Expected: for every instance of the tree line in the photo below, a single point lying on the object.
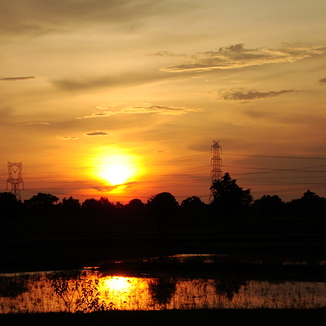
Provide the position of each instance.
(228, 199)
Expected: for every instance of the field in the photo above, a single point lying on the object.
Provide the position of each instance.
(193, 317)
(36, 244)
(52, 243)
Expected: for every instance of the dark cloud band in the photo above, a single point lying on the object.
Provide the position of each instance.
(249, 95)
(17, 78)
(97, 133)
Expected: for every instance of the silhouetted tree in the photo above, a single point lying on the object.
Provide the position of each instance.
(98, 208)
(44, 200)
(135, 208)
(77, 295)
(42, 204)
(9, 205)
(89, 205)
(107, 208)
(269, 205)
(193, 204)
(119, 205)
(70, 206)
(10, 210)
(309, 204)
(162, 207)
(311, 197)
(228, 197)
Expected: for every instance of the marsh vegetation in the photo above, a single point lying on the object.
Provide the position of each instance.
(88, 291)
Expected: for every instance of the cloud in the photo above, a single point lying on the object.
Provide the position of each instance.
(237, 56)
(171, 110)
(97, 133)
(241, 94)
(322, 81)
(225, 58)
(36, 17)
(16, 78)
(67, 137)
(131, 78)
(108, 188)
(259, 114)
(40, 123)
(105, 111)
(285, 118)
(166, 54)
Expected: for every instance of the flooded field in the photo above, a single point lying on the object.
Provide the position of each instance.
(93, 289)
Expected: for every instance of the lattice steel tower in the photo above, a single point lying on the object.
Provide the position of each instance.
(15, 177)
(216, 163)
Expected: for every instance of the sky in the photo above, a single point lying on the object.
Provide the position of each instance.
(123, 99)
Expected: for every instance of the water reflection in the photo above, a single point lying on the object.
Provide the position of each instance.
(118, 283)
(228, 287)
(162, 290)
(124, 293)
(78, 293)
(90, 290)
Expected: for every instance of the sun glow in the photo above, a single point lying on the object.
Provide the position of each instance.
(115, 167)
(117, 170)
(117, 283)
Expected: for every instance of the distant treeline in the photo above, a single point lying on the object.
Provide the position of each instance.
(228, 199)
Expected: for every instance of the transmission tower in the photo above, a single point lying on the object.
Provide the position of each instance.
(15, 177)
(216, 163)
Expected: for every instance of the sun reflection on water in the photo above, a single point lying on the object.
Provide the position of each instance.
(89, 291)
(117, 283)
(130, 293)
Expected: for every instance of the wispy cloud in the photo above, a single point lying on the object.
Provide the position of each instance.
(237, 56)
(241, 94)
(231, 57)
(127, 79)
(36, 17)
(67, 137)
(166, 54)
(40, 123)
(322, 81)
(16, 78)
(172, 110)
(107, 188)
(97, 133)
(105, 111)
(285, 118)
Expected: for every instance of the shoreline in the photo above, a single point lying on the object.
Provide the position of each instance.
(124, 260)
(175, 317)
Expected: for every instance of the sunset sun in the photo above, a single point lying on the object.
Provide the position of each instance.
(114, 167)
(116, 173)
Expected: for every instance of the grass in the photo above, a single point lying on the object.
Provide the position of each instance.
(177, 317)
(43, 244)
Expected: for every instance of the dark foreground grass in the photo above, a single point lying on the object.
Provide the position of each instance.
(64, 252)
(176, 317)
(31, 244)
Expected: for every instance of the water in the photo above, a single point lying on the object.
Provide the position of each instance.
(91, 290)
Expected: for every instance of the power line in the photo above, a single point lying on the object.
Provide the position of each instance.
(275, 169)
(278, 156)
(204, 177)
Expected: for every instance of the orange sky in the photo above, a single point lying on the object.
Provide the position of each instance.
(87, 86)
